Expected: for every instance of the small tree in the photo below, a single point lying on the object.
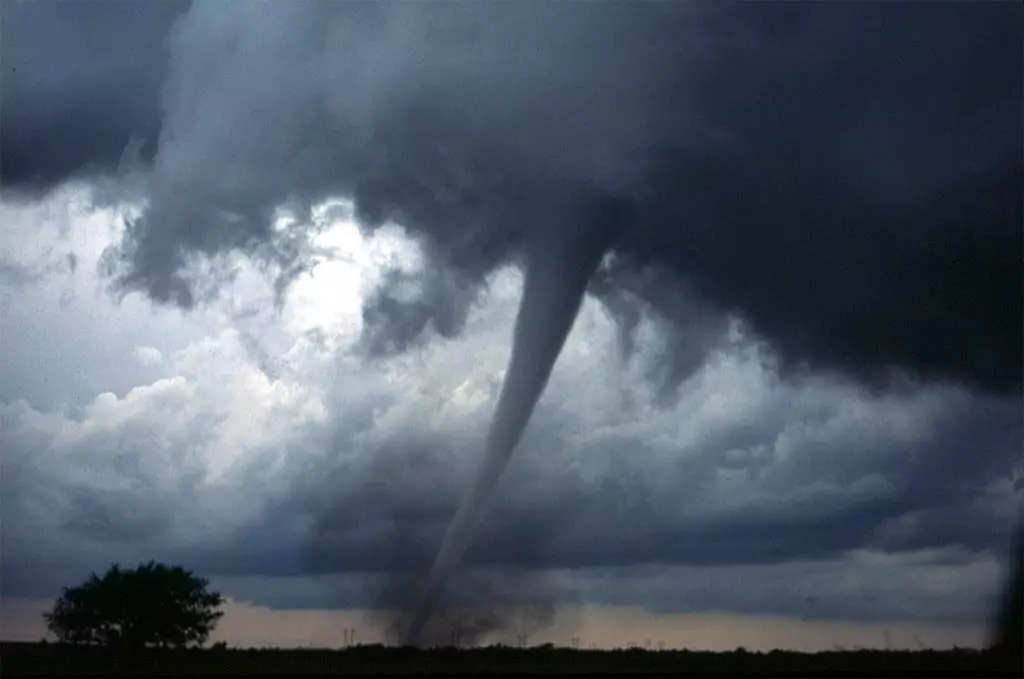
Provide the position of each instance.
(152, 605)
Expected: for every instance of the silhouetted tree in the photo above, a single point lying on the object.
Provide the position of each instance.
(152, 605)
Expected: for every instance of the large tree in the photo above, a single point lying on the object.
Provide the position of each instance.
(152, 605)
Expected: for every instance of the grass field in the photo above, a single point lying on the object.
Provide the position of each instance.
(57, 660)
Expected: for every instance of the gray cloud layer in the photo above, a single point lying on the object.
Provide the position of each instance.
(345, 471)
(845, 177)
(81, 80)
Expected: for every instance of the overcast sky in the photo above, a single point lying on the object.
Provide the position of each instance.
(261, 264)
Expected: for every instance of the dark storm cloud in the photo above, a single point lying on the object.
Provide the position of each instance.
(101, 517)
(845, 177)
(689, 328)
(398, 312)
(387, 513)
(81, 81)
(372, 515)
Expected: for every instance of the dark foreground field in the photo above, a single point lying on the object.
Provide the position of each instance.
(21, 659)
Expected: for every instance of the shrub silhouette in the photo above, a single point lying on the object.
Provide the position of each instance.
(152, 605)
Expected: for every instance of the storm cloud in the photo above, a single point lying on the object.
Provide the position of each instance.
(846, 178)
(81, 86)
(335, 465)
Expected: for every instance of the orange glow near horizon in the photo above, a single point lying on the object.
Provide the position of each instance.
(247, 625)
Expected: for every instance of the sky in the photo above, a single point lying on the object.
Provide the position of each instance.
(262, 266)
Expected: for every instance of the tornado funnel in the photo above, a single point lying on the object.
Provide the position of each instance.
(557, 271)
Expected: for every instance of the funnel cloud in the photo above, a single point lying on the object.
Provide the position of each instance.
(546, 314)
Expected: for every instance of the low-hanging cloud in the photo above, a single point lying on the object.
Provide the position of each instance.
(824, 171)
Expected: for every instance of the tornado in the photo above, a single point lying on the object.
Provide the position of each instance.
(558, 267)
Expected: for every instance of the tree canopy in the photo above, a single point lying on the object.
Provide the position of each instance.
(151, 605)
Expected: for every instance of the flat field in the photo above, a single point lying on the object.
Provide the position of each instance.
(57, 660)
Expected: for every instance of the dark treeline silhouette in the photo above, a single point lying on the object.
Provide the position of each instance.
(154, 619)
(20, 659)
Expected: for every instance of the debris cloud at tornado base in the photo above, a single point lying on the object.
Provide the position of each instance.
(409, 491)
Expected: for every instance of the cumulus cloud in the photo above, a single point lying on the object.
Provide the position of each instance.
(341, 467)
(147, 355)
